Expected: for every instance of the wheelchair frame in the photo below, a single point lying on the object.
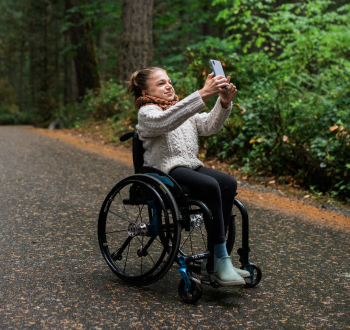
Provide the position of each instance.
(154, 195)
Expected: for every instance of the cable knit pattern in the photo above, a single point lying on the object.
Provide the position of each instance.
(170, 138)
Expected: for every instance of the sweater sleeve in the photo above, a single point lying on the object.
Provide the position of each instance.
(152, 121)
(210, 123)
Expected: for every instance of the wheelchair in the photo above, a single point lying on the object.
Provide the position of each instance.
(148, 221)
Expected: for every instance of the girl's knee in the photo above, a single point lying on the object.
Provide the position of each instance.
(231, 184)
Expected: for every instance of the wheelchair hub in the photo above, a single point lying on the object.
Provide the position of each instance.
(135, 230)
(196, 220)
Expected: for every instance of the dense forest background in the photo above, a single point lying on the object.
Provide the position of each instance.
(289, 59)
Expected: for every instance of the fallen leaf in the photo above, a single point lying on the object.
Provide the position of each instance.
(333, 128)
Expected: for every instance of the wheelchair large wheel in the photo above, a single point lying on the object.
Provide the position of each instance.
(138, 230)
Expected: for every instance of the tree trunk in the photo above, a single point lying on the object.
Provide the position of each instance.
(100, 41)
(66, 85)
(20, 83)
(85, 60)
(75, 90)
(136, 41)
(32, 78)
(44, 98)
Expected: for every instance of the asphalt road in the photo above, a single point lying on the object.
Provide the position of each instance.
(53, 276)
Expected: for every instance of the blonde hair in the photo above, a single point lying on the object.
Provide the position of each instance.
(138, 81)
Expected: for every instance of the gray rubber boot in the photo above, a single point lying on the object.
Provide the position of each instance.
(226, 274)
(204, 272)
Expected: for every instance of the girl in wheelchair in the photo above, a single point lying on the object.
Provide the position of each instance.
(169, 130)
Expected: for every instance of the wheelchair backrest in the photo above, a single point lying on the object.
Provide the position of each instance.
(137, 149)
(137, 156)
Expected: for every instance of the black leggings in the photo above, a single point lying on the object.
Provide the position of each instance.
(216, 189)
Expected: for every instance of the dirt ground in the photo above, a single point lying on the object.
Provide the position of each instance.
(274, 200)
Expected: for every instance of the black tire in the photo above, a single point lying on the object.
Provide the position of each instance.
(195, 293)
(138, 250)
(250, 283)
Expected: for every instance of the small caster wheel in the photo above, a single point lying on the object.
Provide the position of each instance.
(195, 293)
(251, 282)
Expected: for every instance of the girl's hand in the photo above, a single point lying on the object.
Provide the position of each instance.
(213, 86)
(227, 95)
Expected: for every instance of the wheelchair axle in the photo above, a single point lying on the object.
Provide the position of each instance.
(135, 229)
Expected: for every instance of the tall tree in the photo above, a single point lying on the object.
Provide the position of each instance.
(85, 60)
(136, 40)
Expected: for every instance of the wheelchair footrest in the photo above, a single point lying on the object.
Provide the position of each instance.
(208, 281)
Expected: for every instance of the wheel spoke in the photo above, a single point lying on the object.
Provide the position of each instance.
(117, 215)
(122, 248)
(151, 258)
(140, 211)
(126, 259)
(116, 231)
(186, 239)
(161, 244)
(123, 205)
(204, 241)
(191, 243)
(141, 254)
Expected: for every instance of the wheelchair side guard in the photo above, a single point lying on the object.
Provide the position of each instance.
(163, 179)
(153, 227)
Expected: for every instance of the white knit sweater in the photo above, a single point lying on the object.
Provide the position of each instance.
(170, 137)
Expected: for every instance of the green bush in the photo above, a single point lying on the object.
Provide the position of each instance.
(110, 102)
(292, 114)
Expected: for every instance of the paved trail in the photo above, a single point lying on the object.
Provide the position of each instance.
(52, 274)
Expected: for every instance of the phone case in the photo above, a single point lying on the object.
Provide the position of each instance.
(217, 68)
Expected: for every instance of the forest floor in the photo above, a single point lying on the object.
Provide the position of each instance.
(263, 192)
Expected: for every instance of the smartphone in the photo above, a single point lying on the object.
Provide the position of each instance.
(217, 69)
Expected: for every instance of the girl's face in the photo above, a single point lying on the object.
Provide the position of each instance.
(159, 85)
